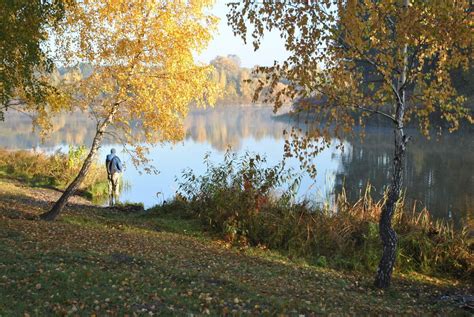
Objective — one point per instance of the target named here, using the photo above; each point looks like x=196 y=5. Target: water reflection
x=223 y=127
x=438 y=174
x=74 y=129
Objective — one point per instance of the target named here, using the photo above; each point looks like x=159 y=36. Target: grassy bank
x=54 y=171
x=101 y=261
x=235 y=199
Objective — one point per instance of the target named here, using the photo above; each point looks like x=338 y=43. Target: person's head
x=112 y=151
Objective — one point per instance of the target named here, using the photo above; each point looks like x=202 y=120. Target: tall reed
x=242 y=200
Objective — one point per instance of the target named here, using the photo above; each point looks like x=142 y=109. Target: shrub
x=247 y=202
x=230 y=195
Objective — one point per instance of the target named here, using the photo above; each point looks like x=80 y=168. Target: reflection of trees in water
x=226 y=126
x=438 y=173
x=16 y=131
x=221 y=126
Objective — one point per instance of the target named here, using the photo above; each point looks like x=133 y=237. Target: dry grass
x=56 y=170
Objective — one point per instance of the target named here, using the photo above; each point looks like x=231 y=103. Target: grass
x=101 y=261
x=57 y=170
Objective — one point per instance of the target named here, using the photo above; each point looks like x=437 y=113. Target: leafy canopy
x=360 y=46
x=24 y=28
x=143 y=75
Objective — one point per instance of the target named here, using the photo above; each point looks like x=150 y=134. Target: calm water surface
x=438 y=173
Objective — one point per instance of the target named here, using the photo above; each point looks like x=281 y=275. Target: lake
x=438 y=173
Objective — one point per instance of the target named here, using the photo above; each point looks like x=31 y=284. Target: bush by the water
x=56 y=170
x=239 y=200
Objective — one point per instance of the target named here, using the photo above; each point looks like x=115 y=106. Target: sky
x=225 y=43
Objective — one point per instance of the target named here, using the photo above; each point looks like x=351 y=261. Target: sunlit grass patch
x=54 y=171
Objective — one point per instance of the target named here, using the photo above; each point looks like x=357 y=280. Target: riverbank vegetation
x=56 y=170
x=236 y=199
x=103 y=261
x=403 y=69
x=247 y=203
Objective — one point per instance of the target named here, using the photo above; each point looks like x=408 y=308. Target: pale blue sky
x=225 y=43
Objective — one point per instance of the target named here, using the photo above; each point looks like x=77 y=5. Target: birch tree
x=388 y=58
x=144 y=75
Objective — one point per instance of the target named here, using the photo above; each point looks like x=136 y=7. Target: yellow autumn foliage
x=144 y=75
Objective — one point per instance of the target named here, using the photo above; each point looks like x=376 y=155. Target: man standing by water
x=114 y=168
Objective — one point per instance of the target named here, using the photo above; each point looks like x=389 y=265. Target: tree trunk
x=387 y=234
x=71 y=189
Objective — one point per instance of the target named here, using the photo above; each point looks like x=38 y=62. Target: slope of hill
x=100 y=261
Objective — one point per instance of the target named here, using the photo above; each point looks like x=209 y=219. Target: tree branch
x=375 y=111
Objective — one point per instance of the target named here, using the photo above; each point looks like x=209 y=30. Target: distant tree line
x=238 y=84
x=231 y=79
